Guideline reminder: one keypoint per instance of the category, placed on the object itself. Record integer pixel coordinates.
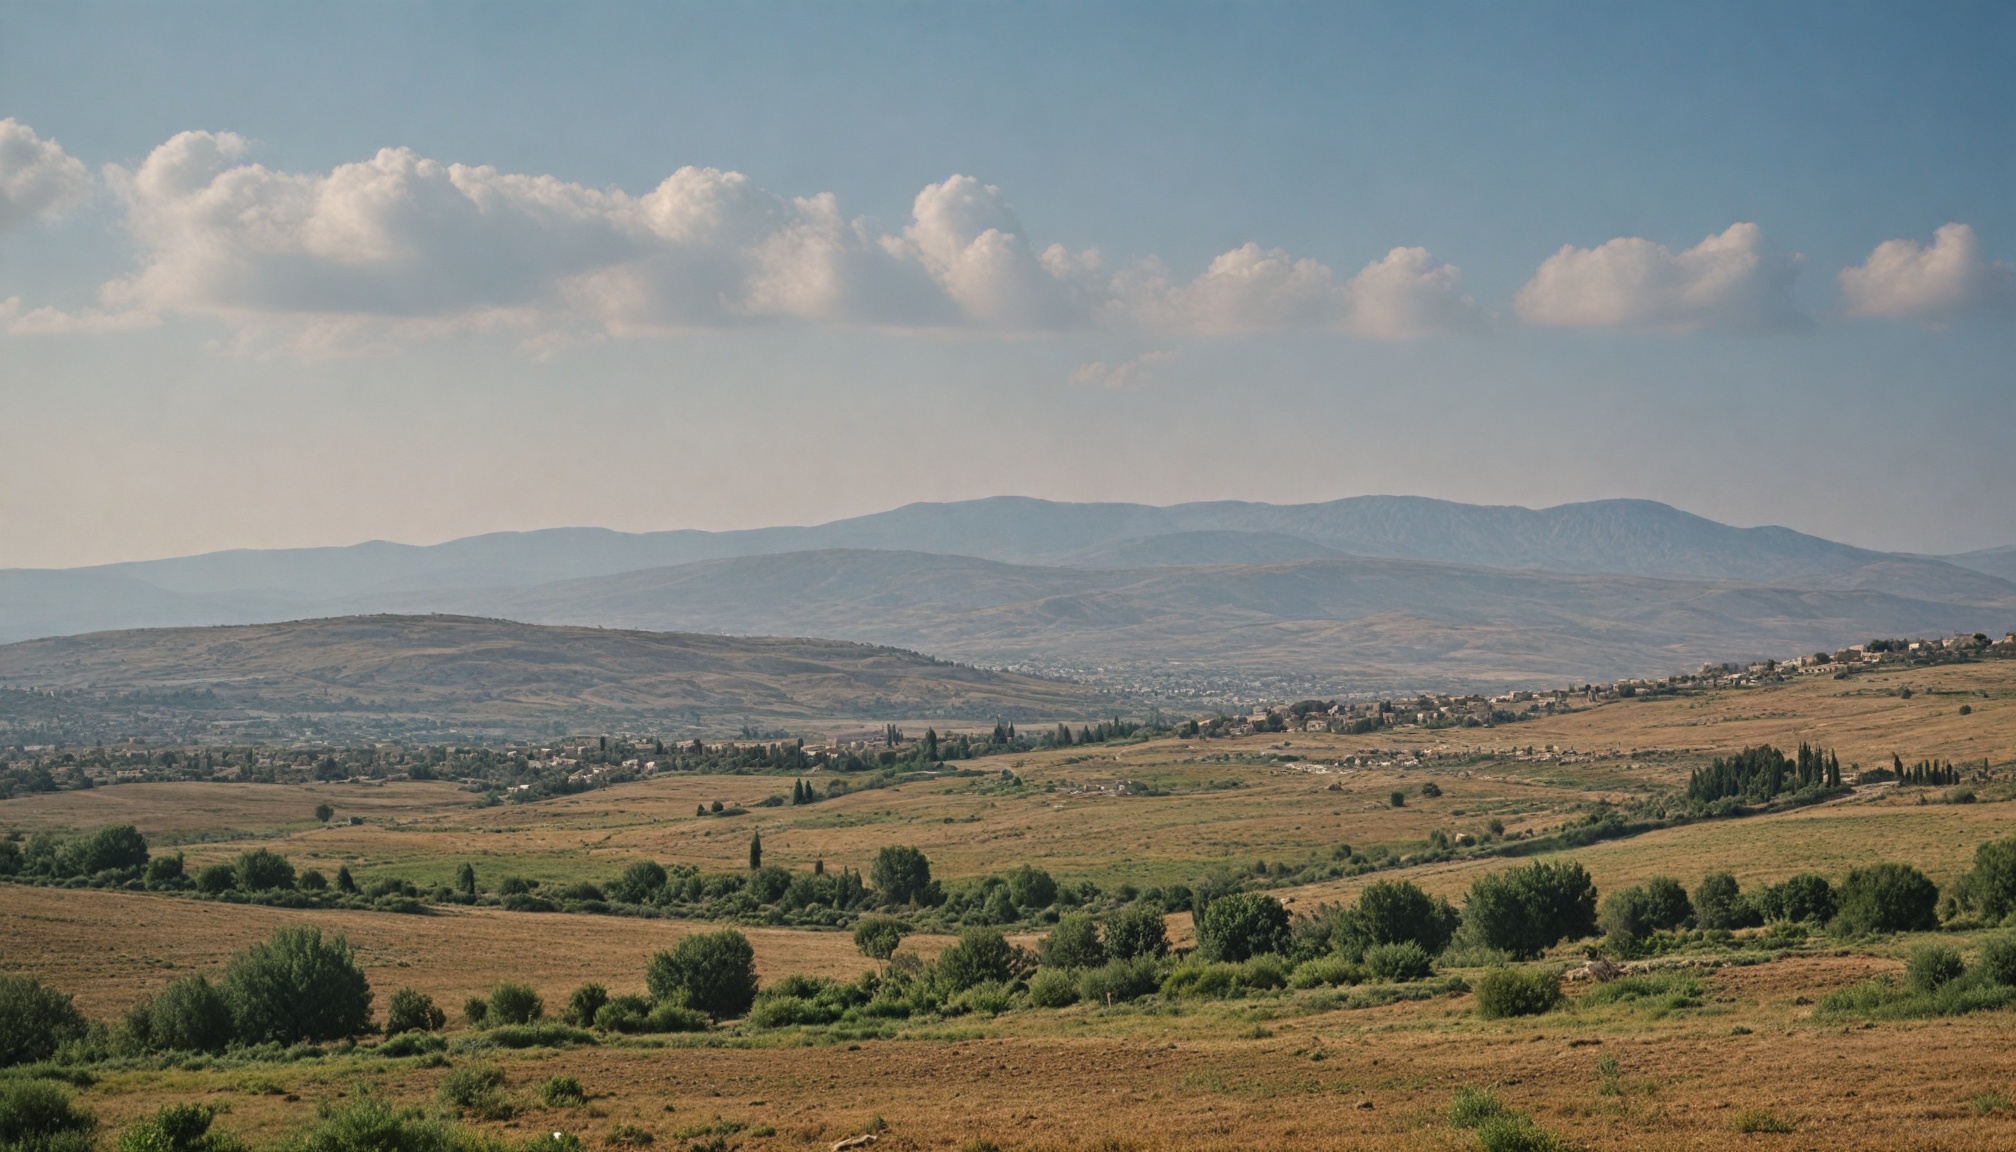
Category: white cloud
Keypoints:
(1408, 295)
(1728, 282)
(37, 177)
(1128, 374)
(1903, 281)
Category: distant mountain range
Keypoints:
(1364, 593)
(376, 677)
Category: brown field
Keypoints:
(1283, 1071)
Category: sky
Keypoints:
(301, 274)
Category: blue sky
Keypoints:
(1300, 252)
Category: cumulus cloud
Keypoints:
(37, 177)
(399, 246)
(1729, 282)
(1903, 281)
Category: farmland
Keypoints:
(1309, 1067)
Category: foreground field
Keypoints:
(1295, 1069)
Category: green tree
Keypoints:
(37, 1116)
(33, 1021)
(514, 1003)
(297, 986)
(1991, 887)
(878, 936)
(1525, 911)
(1138, 930)
(1394, 912)
(324, 813)
(981, 955)
(640, 883)
(755, 851)
(114, 848)
(262, 871)
(714, 972)
(901, 875)
(345, 882)
(1888, 898)
(1718, 902)
(584, 1002)
(189, 1015)
(1631, 914)
(178, 1128)
(1241, 926)
(411, 1010)
(465, 879)
(1073, 943)
(1031, 888)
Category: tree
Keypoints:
(465, 879)
(411, 1010)
(324, 813)
(1139, 930)
(34, 1020)
(878, 936)
(640, 883)
(1991, 887)
(982, 955)
(189, 1015)
(513, 1003)
(1031, 888)
(262, 871)
(901, 875)
(1631, 914)
(1527, 910)
(714, 972)
(1241, 926)
(1801, 898)
(755, 851)
(114, 848)
(217, 878)
(584, 1002)
(178, 1128)
(1888, 898)
(1073, 943)
(344, 881)
(297, 986)
(1394, 912)
(1718, 902)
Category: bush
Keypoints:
(177, 1128)
(1242, 925)
(1506, 992)
(583, 1003)
(1631, 914)
(1325, 971)
(1997, 962)
(1932, 966)
(1399, 962)
(1195, 979)
(413, 1011)
(1118, 981)
(714, 972)
(478, 1090)
(189, 1015)
(1392, 912)
(900, 875)
(1473, 1106)
(34, 1020)
(1660, 992)
(513, 1004)
(981, 956)
(114, 848)
(297, 986)
(1888, 898)
(878, 936)
(640, 883)
(562, 1092)
(1991, 886)
(217, 878)
(623, 1014)
(262, 871)
(367, 1125)
(475, 1011)
(163, 871)
(1515, 1133)
(1805, 897)
(1138, 930)
(1073, 943)
(1881, 999)
(1525, 911)
(676, 1018)
(1053, 988)
(1031, 888)
(37, 1116)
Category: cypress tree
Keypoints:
(755, 851)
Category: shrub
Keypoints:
(562, 1092)
(324, 813)
(34, 1020)
(623, 1014)
(1390, 912)
(368, 1125)
(1719, 903)
(878, 936)
(981, 956)
(1997, 962)
(1242, 925)
(1399, 962)
(900, 875)
(114, 848)
(297, 986)
(1661, 992)
(1525, 911)
(1053, 988)
(177, 1128)
(512, 1003)
(312, 881)
(163, 871)
(1326, 971)
(1757, 1120)
(987, 998)
(714, 972)
(640, 883)
(1473, 1106)
(1073, 943)
(1398, 799)
(37, 1116)
(1118, 981)
(1888, 898)
(1880, 999)
(413, 1011)
(262, 871)
(475, 1011)
(1138, 930)
(1506, 992)
(217, 878)
(1932, 966)
(1515, 1133)
(1031, 888)
(189, 1015)
(1805, 897)
(583, 1003)
(1991, 886)
(478, 1090)
(676, 1018)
